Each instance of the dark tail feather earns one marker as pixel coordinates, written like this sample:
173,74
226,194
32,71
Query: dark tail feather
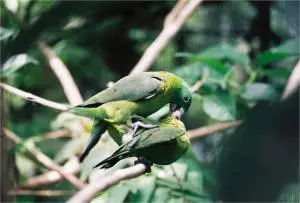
99,127
112,160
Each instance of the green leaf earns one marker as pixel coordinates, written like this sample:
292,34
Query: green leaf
16,62
226,51
287,49
268,57
276,73
217,70
190,73
213,63
5,33
161,194
147,187
290,46
220,106
260,91
118,193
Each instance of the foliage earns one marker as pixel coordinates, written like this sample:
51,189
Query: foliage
100,41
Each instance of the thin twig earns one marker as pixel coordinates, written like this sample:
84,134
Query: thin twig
52,135
47,193
33,98
50,177
293,82
179,181
200,82
206,130
62,73
87,194
174,21
46,161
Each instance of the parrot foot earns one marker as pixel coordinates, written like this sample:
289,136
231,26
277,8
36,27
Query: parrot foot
135,126
138,124
142,160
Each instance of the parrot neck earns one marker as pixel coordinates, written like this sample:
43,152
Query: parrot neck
147,107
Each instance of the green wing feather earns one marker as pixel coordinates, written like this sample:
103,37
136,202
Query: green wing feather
143,139
132,88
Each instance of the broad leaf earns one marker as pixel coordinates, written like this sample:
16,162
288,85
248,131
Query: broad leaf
15,63
276,73
226,51
287,49
268,57
5,33
260,91
220,106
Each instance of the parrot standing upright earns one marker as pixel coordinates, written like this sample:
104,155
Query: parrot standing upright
138,94
162,145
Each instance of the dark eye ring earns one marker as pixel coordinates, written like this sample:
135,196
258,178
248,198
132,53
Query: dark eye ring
186,98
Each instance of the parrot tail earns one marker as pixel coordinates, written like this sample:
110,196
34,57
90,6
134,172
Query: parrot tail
113,159
99,127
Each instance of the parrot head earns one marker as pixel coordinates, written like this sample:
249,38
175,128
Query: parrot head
181,100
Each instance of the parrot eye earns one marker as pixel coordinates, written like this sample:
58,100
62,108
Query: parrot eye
186,98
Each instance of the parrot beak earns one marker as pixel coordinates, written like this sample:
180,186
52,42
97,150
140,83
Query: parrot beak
176,110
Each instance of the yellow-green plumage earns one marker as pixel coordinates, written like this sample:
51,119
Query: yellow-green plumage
162,145
139,94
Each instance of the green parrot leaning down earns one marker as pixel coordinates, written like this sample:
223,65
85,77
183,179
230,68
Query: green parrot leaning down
161,145
138,94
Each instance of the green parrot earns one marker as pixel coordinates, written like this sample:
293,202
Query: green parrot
138,94
162,145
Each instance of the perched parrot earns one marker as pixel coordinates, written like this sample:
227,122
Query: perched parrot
162,145
138,94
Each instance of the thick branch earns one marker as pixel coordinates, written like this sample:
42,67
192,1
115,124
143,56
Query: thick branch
33,98
87,194
46,161
63,74
173,22
206,130
293,82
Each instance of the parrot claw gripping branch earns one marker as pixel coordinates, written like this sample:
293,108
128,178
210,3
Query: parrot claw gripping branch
136,95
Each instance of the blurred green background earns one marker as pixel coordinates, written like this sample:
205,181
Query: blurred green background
248,49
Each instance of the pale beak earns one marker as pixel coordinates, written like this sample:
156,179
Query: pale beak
178,113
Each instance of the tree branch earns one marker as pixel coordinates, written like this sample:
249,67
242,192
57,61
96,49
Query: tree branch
87,194
62,73
33,98
45,160
206,130
173,22
50,177
52,135
200,82
293,82
47,193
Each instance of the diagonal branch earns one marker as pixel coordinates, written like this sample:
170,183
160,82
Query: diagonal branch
50,177
47,193
293,82
200,82
173,22
45,160
206,130
87,194
33,98
62,73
